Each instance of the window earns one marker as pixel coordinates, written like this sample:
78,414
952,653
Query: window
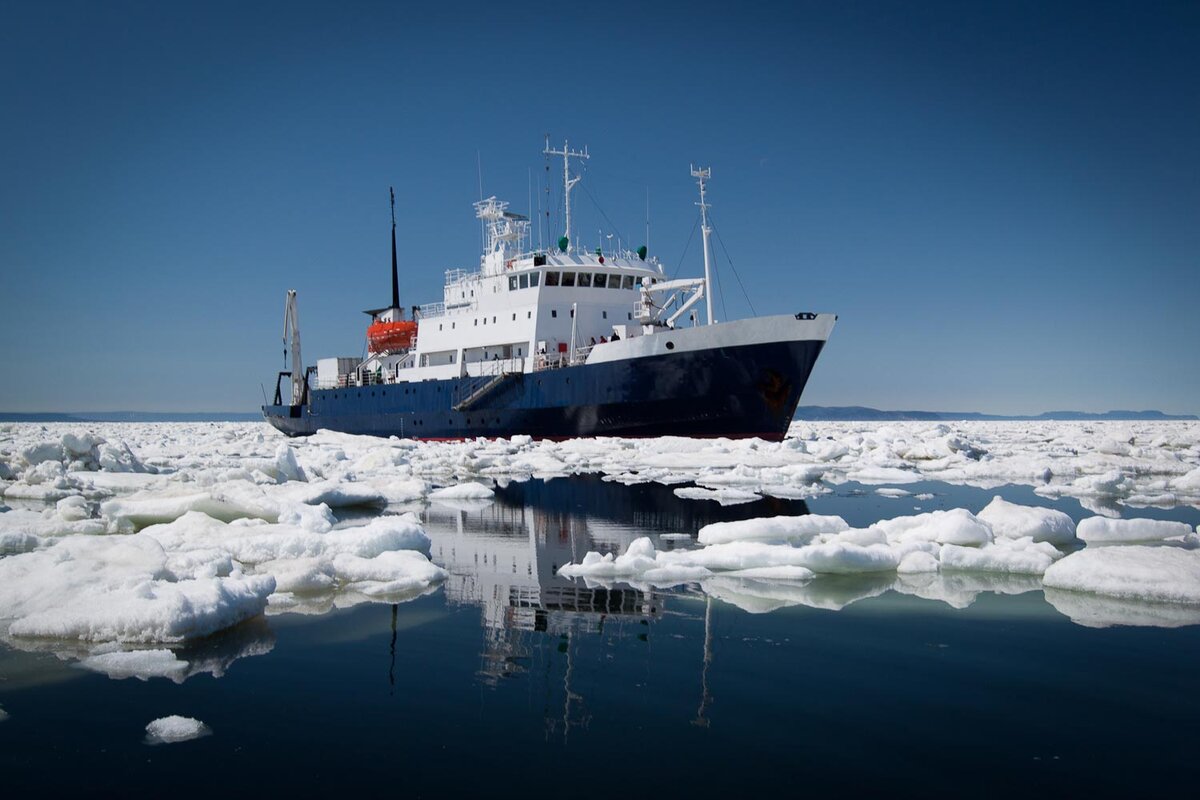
439,326
585,279
514,317
572,313
493,321
627,282
568,279
477,323
512,282
524,281
600,281
528,315
554,313
453,325
604,314
552,279
630,315
533,280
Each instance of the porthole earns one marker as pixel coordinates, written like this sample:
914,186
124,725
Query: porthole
670,345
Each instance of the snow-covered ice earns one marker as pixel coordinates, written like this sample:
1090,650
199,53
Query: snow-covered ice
161,533
173,729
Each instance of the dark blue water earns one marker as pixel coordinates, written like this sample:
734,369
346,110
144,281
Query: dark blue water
511,681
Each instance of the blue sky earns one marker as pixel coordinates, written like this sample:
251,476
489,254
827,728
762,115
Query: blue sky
1000,200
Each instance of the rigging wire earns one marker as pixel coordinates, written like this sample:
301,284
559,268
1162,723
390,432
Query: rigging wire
695,225
721,289
583,186
732,267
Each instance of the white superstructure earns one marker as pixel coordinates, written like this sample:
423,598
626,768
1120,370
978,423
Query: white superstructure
527,309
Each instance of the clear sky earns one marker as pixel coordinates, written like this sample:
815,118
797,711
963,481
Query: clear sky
1000,200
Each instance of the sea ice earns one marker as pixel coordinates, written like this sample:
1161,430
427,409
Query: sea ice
1135,572
771,529
173,729
1100,530
1012,521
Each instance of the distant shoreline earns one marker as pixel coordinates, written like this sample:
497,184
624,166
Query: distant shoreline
803,414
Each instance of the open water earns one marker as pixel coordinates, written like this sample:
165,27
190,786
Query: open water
511,681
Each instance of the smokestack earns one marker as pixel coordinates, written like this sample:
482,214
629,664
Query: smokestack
395,278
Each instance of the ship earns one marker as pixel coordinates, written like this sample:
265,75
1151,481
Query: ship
555,343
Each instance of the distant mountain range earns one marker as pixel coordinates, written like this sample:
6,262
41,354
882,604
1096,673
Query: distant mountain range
863,414
811,413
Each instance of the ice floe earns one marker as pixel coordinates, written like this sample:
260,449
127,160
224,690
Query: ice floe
173,729
1101,530
1132,572
147,534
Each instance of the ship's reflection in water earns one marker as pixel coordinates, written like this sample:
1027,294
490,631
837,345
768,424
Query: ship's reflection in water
504,555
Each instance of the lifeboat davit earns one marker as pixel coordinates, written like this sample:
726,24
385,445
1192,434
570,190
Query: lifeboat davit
385,337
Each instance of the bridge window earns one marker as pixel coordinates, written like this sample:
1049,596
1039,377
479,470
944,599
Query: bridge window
533,280
568,279
552,279
627,282
600,281
585,279
524,281
512,282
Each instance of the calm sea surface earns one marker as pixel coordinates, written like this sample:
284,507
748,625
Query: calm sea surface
511,681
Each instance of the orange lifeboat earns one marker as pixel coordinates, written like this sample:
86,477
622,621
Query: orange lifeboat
390,336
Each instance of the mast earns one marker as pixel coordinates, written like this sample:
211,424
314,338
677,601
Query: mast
568,182
702,175
395,278
291,338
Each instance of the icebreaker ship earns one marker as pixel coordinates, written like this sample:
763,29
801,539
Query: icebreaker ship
557,342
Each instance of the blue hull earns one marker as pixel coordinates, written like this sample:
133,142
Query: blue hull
748,390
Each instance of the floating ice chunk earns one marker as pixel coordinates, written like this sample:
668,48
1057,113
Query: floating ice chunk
1188,483
771,529
13,542
392,572
173,729
117,457
140,664
956,526
119,589
315,518
875,475
335,494
726,497
892,491
286,468
143,510
779,573
917,561
1136,572
1013,521
73,508
1020,556
300,575
35,454
845,558
1100,530
637,558
463,491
